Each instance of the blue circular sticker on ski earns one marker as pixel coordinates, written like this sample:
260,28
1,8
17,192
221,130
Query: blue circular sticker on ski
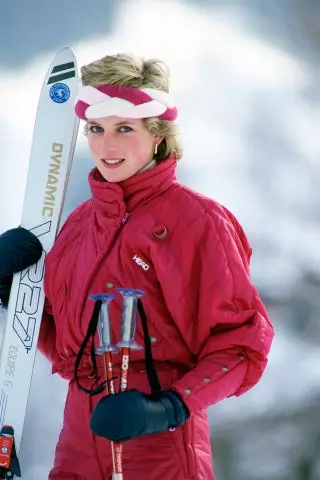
60,92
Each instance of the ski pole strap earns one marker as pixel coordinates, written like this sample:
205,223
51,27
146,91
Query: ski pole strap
150,367
92,328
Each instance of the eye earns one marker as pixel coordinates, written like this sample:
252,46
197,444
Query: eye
125,129
95,129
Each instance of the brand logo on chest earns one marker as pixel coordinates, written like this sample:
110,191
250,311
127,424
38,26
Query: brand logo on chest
140,262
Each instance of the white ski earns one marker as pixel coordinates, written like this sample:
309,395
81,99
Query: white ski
54,138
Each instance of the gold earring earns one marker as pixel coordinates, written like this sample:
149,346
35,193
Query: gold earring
155,149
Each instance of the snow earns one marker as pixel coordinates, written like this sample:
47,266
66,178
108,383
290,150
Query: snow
250,139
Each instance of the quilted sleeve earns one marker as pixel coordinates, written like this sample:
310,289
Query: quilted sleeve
47,334
218,311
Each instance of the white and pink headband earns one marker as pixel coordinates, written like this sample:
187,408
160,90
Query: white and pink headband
128,102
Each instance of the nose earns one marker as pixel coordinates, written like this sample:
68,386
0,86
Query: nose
108,143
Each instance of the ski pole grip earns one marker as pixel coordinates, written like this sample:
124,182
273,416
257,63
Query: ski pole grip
129,317
104,328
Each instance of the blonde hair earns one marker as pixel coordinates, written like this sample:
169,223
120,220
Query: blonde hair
131,71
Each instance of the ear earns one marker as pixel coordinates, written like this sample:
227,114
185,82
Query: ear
158,139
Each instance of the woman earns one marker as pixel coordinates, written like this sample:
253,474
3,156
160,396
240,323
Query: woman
141,229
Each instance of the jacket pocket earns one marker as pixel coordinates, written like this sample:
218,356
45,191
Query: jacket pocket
182,438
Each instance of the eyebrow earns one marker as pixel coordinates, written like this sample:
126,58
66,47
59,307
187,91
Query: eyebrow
123,122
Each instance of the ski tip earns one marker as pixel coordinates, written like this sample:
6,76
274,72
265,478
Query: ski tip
63,68
65,49
64,53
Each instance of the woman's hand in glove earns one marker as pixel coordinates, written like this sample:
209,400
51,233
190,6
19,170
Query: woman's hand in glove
131,414
19,249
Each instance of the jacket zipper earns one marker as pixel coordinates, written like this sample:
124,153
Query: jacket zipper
100,258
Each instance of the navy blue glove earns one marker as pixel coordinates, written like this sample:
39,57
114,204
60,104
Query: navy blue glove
131,414
19,249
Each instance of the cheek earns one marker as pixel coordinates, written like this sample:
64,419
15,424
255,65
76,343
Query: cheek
140,146
92,143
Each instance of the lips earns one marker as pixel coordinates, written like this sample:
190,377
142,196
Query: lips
112,163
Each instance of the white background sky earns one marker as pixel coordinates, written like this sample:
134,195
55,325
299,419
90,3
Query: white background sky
250,141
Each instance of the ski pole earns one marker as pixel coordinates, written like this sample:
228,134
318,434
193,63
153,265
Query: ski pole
106,349
128,329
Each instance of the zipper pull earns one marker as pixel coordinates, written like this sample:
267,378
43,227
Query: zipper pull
124,218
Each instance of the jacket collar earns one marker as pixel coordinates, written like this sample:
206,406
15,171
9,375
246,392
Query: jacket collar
112,200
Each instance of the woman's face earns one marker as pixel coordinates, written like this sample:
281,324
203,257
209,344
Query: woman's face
120,147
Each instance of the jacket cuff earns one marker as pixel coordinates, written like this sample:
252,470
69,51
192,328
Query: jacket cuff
202,387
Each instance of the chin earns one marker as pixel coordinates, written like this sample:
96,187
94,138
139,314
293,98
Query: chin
114,176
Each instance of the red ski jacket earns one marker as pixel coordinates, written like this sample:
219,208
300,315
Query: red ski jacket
190,256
